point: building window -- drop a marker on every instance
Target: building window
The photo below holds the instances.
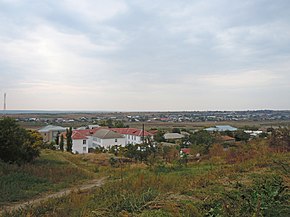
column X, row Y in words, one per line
column 84, row 142
column 84, row 149
column 116, row 140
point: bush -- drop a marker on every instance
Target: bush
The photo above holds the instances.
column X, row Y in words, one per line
column 17, row 144
column 267, row 196
column 49, row 145
column 114, row 162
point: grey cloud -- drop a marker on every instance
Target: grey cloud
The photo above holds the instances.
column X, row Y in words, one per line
column 144, row 47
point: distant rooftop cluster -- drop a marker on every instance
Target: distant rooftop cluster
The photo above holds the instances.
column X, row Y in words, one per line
column 187, row 116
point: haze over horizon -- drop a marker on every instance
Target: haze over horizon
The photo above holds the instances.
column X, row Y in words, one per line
column 126, row 55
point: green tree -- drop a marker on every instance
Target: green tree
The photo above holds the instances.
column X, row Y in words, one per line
column 227, row 133
column 109, row 123
column 175, row 130
column 158, row 137
column 17, row 144
column 202, row 138
column 119, row 124
column 61, row 143
column 131, row 151
column 57, row 138
column 240, row 135
column 69, row 139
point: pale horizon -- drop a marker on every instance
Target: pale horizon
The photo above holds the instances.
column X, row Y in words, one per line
column 128, row 111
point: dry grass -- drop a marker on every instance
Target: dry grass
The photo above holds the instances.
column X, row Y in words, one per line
column 211, row 187
column 51, row 172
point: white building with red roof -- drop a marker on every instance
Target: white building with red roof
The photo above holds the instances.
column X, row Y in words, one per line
column 132, row 135
column 82, row 140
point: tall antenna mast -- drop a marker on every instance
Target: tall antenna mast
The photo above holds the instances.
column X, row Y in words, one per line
column 4, row 110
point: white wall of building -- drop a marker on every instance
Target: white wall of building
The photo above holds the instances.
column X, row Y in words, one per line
column 131, row 139
column 90, row 142
column 80, row 146
column 108, row 142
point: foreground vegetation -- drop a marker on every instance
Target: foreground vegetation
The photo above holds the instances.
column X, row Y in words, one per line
column 52, row 171
column 196, row 176
column 254, row 184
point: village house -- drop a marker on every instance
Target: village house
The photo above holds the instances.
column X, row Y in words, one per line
column 132, row 135
column 82, row 140
column 107, row 138
column 253, row 133
column 173, row 136
column 221, row 128
column 50, row 132
column 80, row 143
column 227, row 139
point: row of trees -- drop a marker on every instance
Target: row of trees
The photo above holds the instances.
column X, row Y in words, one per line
column 59, row 140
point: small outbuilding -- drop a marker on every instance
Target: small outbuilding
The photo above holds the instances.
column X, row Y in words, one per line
column 50, row 132
column 221, row 128
column 173, row 136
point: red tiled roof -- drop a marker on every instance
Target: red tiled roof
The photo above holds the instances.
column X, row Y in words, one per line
column 82, row 134
column 78, row 135
column 153, row 131
column 131, row 131
column 227, row 138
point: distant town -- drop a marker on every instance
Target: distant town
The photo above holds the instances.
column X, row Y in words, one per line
column 52, row 117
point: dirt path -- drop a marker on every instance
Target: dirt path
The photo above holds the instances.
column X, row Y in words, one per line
column 37, row 201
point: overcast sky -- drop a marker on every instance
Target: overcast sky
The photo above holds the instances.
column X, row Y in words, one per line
column 145, row 54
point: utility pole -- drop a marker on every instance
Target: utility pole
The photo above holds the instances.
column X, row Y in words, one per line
column 143, row 133
column 4, row 109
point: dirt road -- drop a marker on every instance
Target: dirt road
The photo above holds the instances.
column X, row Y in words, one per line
column 83, row 187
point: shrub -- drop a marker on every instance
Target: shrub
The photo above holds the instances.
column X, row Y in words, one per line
column 267, row 196
column 17, row 144
column 114, row 162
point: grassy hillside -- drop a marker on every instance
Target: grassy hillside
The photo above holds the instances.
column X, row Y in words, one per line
column 52, row 171
column 255, row 184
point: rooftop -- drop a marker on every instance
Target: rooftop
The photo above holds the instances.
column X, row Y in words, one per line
column 131, row 131
column 49, row 128
column 173, row 136
column 221, row 128
column 227, row 138
column 107, row 134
